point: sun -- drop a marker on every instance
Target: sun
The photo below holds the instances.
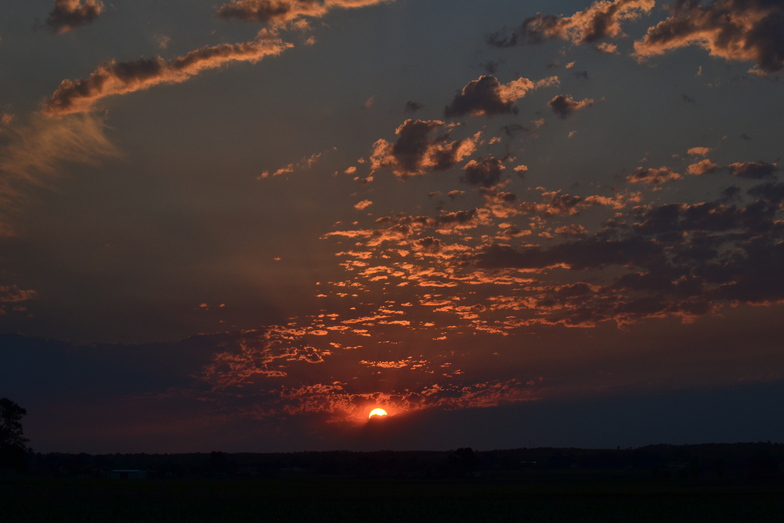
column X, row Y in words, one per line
column 377, row 412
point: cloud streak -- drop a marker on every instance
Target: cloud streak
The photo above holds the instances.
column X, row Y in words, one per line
column 36, row 154
column 283, row 12
column 115, row 78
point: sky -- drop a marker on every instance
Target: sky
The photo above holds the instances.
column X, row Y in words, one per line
column 241, row 226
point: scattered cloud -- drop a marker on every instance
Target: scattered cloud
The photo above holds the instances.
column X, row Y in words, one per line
column 71, row 14
column 704, row 166
column 565, row 105
column 485, row 172
column 422, row 146
column 487, row 96
column 304, row 163
column 652, row 175
column 698, row 151
column 754, row 170
column 412, row 106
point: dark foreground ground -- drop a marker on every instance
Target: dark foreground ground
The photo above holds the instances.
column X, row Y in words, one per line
column 322, row 499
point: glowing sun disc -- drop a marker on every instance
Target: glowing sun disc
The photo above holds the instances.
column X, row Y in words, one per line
column 377, row 412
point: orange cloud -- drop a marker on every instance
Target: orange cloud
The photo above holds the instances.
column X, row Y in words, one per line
column 699, row 151
column 601, row 20
column 564, row 106
column 653, row 176
column 730, row 29
column 284, row 12
column 422, row 146
column 702, row 167
column 113, row 78
column 304, row 163
column 487, row 96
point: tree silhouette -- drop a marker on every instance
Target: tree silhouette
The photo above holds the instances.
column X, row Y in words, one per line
column 13, row 444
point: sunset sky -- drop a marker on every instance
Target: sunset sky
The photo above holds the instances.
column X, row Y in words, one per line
column 241, row 226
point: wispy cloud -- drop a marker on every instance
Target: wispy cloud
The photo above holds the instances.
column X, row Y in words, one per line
column 304, row 163
column 36, row 153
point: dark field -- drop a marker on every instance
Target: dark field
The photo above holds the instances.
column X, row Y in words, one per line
column 541, row 498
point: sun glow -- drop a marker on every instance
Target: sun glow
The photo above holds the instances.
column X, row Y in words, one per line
column 377, row 412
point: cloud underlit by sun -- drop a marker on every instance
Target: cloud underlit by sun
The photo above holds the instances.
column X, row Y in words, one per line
column 377, row 413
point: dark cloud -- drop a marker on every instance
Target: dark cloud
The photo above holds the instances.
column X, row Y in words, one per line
column 485, row 172
column 754, row 170
column 590, row 253
column 747, row 30
column 488, row 96
column 773, row 192
column 601, row 20
column 70, row 14
column 490, row 67
column 582, row 75
column 113, row 78
column 731, row 193
column 422, row 146
column 412, row 106
column 688, row 99
column 565, row 105
column 513, row 129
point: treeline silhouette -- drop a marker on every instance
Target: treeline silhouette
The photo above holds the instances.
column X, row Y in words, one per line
column 755, row 462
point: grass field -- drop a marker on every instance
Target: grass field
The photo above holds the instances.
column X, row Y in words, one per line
column 345, row 500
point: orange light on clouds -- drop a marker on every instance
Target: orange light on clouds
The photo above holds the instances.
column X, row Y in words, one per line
column 377, row 412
